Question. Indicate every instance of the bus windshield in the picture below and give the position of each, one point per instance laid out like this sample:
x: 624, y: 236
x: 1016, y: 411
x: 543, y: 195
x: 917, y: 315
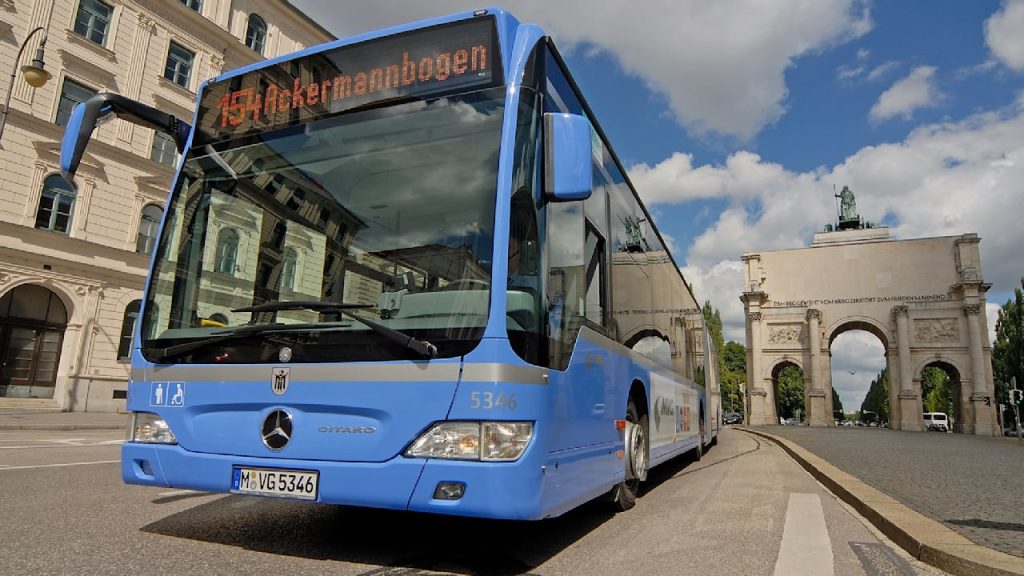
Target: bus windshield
x: 388, y: 211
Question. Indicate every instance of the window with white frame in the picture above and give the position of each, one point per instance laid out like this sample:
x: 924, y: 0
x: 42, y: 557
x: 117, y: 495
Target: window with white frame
x: 149, y: 223
x: 92, y: 20
x: 56, y: 204
x: 227, y: 251
x: 256, y: 34
x: 179, y: 64
x: 71, y: 93
x: 131, y: 315
x: 165, y: 150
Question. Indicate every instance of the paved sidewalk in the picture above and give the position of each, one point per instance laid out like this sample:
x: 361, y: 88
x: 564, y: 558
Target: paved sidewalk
x: 951, y: 497
x: 28, y: 419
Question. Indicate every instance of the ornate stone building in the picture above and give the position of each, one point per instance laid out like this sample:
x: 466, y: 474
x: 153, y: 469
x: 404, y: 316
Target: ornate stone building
x: 924, y: 299
x: 73, y: 260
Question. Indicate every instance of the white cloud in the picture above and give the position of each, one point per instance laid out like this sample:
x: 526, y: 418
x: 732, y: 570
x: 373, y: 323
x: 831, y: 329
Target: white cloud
x: 862, y: 354
x: 907, y: 95
x: 943, y: 179
x: 880, y: 71
x: 1003, y: 34
x: 720, y: 65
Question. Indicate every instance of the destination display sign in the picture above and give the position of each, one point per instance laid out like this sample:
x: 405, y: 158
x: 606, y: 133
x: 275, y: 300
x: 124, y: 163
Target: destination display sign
x: 452, y: 57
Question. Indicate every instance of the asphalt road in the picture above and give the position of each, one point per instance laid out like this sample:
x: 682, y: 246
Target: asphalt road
x: 745, y: 508
x: 969, y: 483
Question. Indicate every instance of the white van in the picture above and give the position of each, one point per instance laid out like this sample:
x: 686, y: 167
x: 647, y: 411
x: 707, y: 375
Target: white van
x: 936, y: 421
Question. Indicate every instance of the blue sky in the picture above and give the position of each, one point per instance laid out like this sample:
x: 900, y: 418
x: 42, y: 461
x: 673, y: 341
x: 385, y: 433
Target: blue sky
x: 736, y: 118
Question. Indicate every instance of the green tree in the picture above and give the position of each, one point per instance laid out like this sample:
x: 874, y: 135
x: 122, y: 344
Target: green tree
x: 1008, y: 349
x: 877, y: 398
x: 734, y: 357
x: 936, y: 392
x: 732, y: 361
x: 837, y: 404
x: 790, y: 392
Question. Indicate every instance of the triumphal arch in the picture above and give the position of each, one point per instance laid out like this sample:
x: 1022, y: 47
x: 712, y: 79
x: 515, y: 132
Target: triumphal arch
x: 924, y: 299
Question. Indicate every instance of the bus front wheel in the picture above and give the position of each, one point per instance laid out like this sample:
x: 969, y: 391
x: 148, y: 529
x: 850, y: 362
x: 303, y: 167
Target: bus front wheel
x: 624, y: 495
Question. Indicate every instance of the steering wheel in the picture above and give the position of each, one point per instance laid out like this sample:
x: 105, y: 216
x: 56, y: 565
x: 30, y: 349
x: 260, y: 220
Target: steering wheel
x: 458, y: 284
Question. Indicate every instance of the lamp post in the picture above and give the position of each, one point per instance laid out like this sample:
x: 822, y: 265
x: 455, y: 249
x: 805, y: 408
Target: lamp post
x: 35, y: 73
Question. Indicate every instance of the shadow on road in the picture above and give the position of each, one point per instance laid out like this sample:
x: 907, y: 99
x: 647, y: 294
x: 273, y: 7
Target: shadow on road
x: 407, y: 541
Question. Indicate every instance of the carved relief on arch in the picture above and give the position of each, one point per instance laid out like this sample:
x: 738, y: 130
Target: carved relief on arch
x: 786, y: 334
x: 937, y: 330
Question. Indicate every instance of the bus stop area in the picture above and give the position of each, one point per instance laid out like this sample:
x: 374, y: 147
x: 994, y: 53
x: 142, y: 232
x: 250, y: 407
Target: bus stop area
x: 948, y: 499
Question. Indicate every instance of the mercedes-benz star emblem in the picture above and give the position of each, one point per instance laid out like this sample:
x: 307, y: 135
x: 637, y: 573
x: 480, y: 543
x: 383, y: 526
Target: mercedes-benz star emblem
x: 277, y: 429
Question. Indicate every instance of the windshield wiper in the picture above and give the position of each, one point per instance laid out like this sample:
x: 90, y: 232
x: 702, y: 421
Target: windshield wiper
x: 421, y: 347
x: 240, y: 332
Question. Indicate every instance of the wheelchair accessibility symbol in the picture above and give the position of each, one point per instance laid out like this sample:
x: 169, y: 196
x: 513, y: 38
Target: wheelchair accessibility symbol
x: 167, y: 394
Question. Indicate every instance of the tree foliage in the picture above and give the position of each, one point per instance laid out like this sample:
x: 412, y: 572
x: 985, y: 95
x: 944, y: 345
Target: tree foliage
x: 936, y: 390
x: 877, y: 399
x: 790, y: 392
x: 732, y: 361
x: 837, y: 404
x: 1008, y: 349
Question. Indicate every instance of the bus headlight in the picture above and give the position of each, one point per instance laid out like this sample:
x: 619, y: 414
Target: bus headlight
x: 488, y: 441
x: 151, y: 429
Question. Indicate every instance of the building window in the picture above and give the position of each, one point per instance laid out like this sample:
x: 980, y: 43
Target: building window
x: 56, y: 205
x: 148, y: 226
x: 196, y: 5
x: 227, y: 251
x: 165, y: 150
x: 93, y: 20
x: 256, y: 34
x: 179, y: 64
x: 71, y: 93
x: 291, y: 259
x: 131, y: 315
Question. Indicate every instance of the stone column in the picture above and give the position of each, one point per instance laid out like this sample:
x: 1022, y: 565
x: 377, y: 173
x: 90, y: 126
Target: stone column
x: 758, y: 394
x: 819, y: 413
x: 910, y: 411
x: 981, y: 399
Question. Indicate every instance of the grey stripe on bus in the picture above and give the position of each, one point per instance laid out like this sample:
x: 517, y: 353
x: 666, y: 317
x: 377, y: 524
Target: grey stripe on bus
x: 447, y: 372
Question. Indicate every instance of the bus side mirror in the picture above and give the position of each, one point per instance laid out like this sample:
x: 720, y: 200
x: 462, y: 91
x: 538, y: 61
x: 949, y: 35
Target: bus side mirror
x: 567, y: 157
x: 78, y: 130
x: 86, y: 116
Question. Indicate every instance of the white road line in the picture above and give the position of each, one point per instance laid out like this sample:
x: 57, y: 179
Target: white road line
x: 5, y: 468
x: 806, y: 548
x: 178, y: 493
x: 106, y: 443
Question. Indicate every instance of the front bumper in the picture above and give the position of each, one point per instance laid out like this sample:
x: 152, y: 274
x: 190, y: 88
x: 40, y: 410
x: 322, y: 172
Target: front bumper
x: 508, y: 490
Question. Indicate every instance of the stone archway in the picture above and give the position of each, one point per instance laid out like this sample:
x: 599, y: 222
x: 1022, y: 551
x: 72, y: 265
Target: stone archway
x: 960, y: 402
x: 922, y: 298
x: 778, y: 394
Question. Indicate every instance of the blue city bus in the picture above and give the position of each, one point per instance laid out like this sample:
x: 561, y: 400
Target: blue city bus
x: 406, y: 270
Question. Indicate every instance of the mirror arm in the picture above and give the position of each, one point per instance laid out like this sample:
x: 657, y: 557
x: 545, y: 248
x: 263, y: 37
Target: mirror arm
x: 86, y: 115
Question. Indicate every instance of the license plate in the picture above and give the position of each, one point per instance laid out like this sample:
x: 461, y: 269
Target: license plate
x: 270, y: 482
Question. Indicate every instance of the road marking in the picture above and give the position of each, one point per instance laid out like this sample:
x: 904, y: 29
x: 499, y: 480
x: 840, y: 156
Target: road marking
x: 104, y: 443
x: 806, y: 548
x: 177, y: 493
x: 5, y: 468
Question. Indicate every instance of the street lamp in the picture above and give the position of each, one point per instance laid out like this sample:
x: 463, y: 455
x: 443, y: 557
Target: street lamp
x: 35, y: 73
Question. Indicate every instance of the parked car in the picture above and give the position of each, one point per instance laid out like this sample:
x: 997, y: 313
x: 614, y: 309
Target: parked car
x: 1010, y: 431
x: 732, y: 418
x: 791, y: 422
